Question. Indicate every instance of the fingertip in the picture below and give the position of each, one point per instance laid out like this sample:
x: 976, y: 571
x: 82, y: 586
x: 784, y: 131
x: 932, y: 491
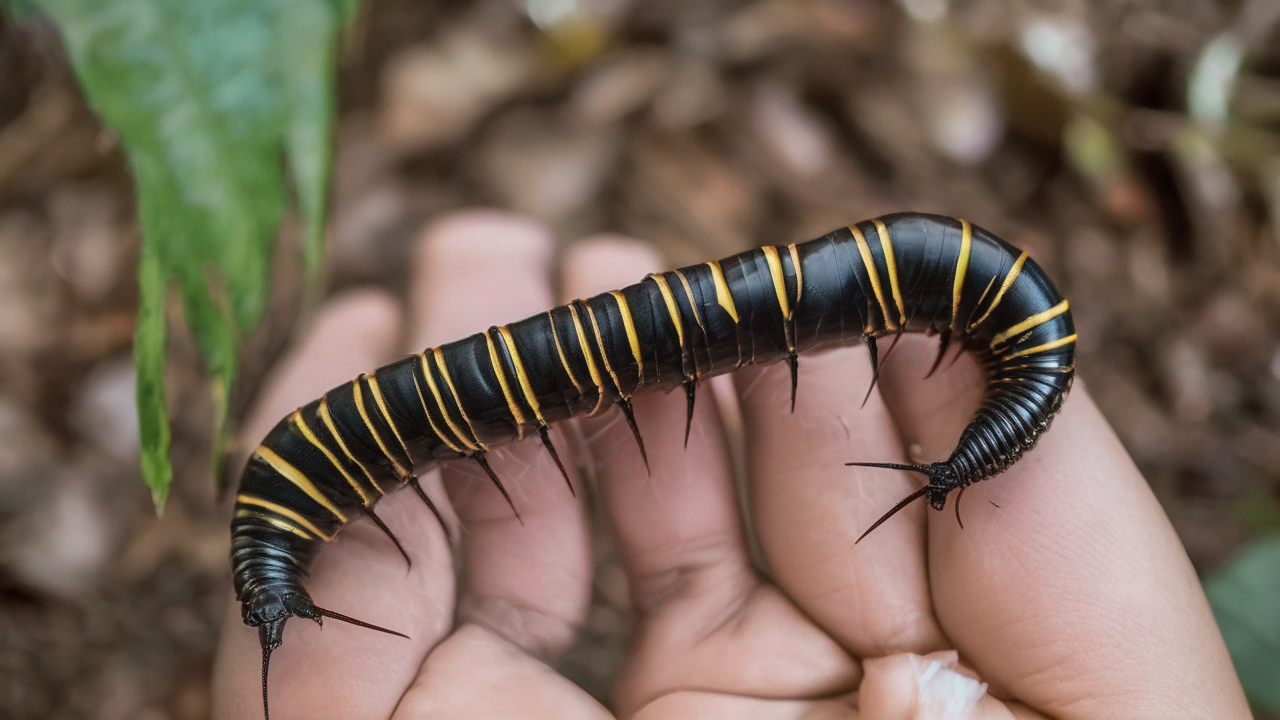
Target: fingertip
x: 888, y: 690
x: 606, y: 262
x: 466, y: 234
x: 496, y: 263
x: 352, y: 332
x: 371, y: 315
x: 906, y: 685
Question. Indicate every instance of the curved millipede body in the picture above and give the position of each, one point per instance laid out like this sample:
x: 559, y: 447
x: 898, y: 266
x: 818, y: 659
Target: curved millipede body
x: 330, y: 461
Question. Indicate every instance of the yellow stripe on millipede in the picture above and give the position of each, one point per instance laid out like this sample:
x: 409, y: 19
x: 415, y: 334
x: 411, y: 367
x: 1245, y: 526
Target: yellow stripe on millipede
x: 301, y: 424
x: 595, y: 328
x: 693, y: 305
x: 564, y: 361
x: 422, y: 400
x: 886, y: 245
x: 448, y: 380
x: 382, y: 408
x: 779, y: 279
x: 526, y: 387
x: 1055, y: 368
x: 516, y: 413
x: 274, y: 521
x: 632, y: 338
x: 1041, y: 348
x: 1036, y: 320
x: 869, y: 263
x: 591, y: 363
x: 283, y: 512
x: 667, y: 297
x: 725, y: 300
x: 401, y: 472
x: 723, y: 296
x: 327, y: 418
x: 962, y: 266
x: 1004, y: 287
x: 296, y: 476
x: 444, y: 411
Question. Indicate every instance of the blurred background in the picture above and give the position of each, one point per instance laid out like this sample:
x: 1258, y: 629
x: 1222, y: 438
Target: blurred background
x: 1133, y: 146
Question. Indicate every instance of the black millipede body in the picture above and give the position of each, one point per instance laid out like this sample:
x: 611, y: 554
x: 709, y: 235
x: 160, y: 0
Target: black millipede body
x: 330, y: 461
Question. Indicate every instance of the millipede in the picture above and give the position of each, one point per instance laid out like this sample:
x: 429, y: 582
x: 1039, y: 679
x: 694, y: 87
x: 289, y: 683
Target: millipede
x: 331, y: 460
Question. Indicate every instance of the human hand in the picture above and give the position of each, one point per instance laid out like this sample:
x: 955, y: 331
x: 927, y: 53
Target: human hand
x: 1073, y: 599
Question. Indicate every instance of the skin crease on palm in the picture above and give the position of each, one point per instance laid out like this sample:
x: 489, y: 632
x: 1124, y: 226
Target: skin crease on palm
x: 1072, y: 599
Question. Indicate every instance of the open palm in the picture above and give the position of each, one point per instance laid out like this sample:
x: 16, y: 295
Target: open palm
x: 1072, y: 599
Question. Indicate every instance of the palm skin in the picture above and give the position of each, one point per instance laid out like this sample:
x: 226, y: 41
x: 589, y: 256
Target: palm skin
x: 1072, y: 599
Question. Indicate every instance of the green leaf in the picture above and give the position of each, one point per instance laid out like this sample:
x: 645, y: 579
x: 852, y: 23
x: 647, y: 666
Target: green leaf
x: 16, y: 9
x: 347, y: 10
x: 210, y: 98
x: 310, y: 124
x: 149, y: 355
x: 1244, y: 599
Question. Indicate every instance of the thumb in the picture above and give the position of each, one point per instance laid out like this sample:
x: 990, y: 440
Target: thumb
x: 928, y: 687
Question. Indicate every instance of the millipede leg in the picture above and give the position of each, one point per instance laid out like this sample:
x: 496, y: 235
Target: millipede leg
x: 875, y: 366
x: 479, y: 457
x: 417, y: 487
x: 546, y: 440
x: 944, y: 340
x: 635, y: 430
x: 378, y: 521
x: 794, y: 361
x: 690, y: 391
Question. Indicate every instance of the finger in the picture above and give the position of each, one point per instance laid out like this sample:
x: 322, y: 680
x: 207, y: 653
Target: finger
x: 874, y: 596
x: 347, y: 671
x: 703, y: 704
x: 1075, y: 595
x: 681, y: 542
x: 810, y: 508
x: 478, y: 674
x: 683, y: 514
x: 527, y: 582
x: 351, y: 333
